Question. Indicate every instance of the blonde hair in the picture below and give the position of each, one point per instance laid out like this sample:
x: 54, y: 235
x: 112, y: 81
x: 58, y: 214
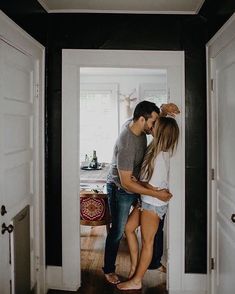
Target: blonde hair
x: 165, y: 139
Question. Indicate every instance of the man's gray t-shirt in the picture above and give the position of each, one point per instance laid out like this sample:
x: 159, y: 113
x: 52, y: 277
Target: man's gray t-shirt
x: 128, y: 154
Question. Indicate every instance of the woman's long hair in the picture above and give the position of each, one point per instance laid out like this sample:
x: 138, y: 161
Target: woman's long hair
x: 165, y: 139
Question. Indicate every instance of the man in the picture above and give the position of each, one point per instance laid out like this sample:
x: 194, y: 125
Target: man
x: 123, y: 192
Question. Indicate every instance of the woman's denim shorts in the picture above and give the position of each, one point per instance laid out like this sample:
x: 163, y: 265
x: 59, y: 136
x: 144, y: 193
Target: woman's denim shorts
x: 159, y: 210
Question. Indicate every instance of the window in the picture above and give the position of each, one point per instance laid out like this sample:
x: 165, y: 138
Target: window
x: 104, y: 106
x: 98, y: 120
x: 154, y: 92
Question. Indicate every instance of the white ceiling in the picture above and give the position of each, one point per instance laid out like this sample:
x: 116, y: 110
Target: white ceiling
x: 124, y: 6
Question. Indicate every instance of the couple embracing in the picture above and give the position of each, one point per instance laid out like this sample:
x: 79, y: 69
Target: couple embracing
x: 139, y: 178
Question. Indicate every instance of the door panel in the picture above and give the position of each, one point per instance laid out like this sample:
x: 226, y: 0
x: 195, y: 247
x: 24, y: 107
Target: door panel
x: 18, y: 74
x: 224, y: 141
x: 226, y: 106
x: 16, y: 148
x: 17, y: 185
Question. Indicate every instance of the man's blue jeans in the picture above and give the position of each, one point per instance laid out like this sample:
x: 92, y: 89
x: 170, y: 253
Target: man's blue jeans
x: 120, y: 203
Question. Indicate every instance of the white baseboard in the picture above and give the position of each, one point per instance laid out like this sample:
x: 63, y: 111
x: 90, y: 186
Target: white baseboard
x: 54, y: 278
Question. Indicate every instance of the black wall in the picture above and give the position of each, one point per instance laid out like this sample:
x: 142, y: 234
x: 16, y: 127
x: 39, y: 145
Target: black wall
x: 128, y: 32
x: 141, y: 32
x: 29, y: 15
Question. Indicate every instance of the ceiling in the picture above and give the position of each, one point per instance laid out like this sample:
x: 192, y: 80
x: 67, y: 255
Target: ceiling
x: 123, y: 6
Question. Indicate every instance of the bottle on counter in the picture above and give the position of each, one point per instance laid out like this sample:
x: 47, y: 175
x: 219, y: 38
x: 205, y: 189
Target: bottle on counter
x: 87, y: 161
x: 94, y: 161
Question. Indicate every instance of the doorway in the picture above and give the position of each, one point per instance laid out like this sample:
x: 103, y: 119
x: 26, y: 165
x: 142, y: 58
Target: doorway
x: 72, y: 62
x: 108, y: 97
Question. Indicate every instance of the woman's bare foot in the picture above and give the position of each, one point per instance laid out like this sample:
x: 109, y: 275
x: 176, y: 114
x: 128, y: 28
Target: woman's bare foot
x: 112, y: 278
x: 130, y: 285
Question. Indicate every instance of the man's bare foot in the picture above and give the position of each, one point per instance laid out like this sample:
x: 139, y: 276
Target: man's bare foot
x: 129, y: 285
x: 160, y: 268
x: 112, y: 278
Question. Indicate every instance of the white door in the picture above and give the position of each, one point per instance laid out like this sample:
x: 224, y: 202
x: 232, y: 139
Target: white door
x: 223, y: 161
x: 16, y: 151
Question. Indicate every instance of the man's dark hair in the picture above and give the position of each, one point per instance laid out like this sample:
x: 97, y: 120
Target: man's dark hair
x: 145, y: 108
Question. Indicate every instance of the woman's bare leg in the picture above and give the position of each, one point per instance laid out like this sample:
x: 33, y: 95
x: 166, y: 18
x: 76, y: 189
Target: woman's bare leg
x: 149, y: 226
x: 132, y: 224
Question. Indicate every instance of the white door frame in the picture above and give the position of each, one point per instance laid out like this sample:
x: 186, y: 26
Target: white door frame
x: 68, y: 276
x: 222, y: 38
x: 13, y: 35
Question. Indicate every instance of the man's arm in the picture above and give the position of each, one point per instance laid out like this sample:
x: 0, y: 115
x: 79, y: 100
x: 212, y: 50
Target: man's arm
x: 135, y: 187
x: 147, y: 185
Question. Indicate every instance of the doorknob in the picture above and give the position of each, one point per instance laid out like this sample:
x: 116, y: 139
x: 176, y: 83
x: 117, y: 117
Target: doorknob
x: 3, y: 210
x: 233, y: 217
x: 5, y: 228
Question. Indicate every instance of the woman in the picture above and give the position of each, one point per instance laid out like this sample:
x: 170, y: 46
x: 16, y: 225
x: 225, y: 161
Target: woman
x: 155, y: 175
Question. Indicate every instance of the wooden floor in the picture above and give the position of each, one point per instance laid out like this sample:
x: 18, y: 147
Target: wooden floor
x: 93, y: 282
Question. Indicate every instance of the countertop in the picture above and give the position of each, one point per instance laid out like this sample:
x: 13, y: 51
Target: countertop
x: 94, y: 180
x: 94, y: 176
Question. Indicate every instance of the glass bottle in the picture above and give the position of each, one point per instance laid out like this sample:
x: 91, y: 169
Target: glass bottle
x: 94, y: 161
x: 86, y: 162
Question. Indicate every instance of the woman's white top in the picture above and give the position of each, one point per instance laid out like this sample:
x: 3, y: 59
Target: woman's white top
x: 160, y: 177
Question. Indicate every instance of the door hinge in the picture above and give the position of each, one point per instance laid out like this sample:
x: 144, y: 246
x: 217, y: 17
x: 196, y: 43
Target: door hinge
x: 212, y: 84
x: 37, y: 263
x: 212, y: 263
x: 212, y: 174
x: 36, y: 90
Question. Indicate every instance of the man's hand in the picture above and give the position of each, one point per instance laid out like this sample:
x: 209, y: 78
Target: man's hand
x: 128, y: 183
x: 134, y: 179
x: 169, y: 109
x: 163, y: 195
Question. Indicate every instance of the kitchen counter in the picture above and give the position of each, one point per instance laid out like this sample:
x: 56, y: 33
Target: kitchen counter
x: 94, y: 179
x: 97, y: 176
